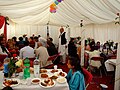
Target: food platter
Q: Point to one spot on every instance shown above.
(11, 82)
(35, 80)
(44, 85)
(60, 74)
(61, 80)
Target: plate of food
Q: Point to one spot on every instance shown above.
(44, 75)
(62, 74)
(61, 80)
(53, 77)
(35, 80)
(11, 82)
(47, 83)
(54, 70)
(43, 71)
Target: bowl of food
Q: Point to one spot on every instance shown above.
(61, 80)
(35, 80)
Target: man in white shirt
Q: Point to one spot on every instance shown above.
(62, 45)
(27, 51)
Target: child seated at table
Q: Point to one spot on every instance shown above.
(75, 76)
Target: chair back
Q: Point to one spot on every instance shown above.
(97, 58)
(88, 76)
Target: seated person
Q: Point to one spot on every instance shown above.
(75, 76)
(42, 54)
(52, 50)
(31, 42)
(3, 49)
(20, 43)
(26, 51)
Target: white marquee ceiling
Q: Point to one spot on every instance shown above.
(69, 12)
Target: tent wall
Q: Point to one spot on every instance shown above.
(100, 32)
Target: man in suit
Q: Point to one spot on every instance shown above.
(62, 45)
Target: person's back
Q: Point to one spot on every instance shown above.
(51, 48)
(72, 48)
(27, 51)
(42, 54)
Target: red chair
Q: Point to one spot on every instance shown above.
(88, 77)
(2, 57)
(54, 57)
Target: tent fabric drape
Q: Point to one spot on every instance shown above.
(68, 12)
(2, 20)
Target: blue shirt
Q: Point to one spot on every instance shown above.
(6, 68)
(76, 81)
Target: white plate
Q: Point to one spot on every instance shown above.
(35, 79)
(61, 80)
(57, 74)
(104, 86)
(47, 86)
(13, 85)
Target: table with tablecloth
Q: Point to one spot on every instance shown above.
(58, 86)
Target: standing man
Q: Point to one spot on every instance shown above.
(62, 45)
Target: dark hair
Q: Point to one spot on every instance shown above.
(7, 88)
(14, 38)
(26, 43)
(20, 38)
(74, 61)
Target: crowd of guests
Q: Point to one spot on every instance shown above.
(34, 46)
(37, 46)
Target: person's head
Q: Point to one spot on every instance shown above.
(31, 39)
(39, 44)
(36, 39)
(2, 40)
(74, 63)
(72, 39)
(7, 88)
(39, 36)
(26, 43)
(14, 38)
(20, 38)
(61, 29)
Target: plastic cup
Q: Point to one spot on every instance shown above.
(28, 81)
(55, 67)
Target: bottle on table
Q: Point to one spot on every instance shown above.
(36, 67)
(26, 63)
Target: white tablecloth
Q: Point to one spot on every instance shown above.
(110, 64)
(57, 86)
